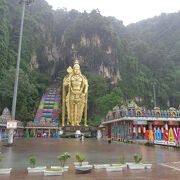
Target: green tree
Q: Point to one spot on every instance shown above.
(107, 102)
(32, 161)
(26, 96)
(4, 36)
(63, 158)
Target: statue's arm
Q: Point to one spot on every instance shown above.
(86, 88)
(66, 81)
(85, 85)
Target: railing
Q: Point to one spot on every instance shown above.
(34, 124)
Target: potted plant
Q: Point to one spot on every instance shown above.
(63, 158)
(121, 162)
(33, 169)
(32, 161)
(4, 170)
(80, 161)
(82, 168)
(137, 164)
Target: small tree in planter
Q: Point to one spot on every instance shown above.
(80, 159)
(63, 158)
(82, 168)
(137, 164)
(32, 161)
(137, 158)
(33, 169)
(4, 170)
(122, 159)
(119, 166)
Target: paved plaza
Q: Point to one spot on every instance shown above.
(173, 165)
(96, 152)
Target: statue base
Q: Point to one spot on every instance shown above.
(73, 129)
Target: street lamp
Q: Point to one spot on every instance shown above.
(153, 84)
(27, 2)
(11, 131)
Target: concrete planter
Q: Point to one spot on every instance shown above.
(113, 168)
(78, 164)
(55, 167)
(36, 169)
(122, 165)
(148, 166)
(65, 168)
(101, 166)
(136, 166)
(129, 163)
(53, 173)
(84, 166)
(5, 170)
(83, 169)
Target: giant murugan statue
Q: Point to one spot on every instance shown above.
(76, 99)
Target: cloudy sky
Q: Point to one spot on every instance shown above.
(129, 11)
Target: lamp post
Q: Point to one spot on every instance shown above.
(11, 131)
(154, 91)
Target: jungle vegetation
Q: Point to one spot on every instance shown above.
(144, 52)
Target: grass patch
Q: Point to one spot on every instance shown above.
(49, 169)
(117, 165)
(83, 168)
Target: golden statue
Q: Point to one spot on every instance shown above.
(76, 100)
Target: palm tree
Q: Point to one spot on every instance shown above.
(80, 159)
(63, 158)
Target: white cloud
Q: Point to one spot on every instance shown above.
(127, 10)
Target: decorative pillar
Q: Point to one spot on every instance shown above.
(136, 131)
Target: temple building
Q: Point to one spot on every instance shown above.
(6, 116)
(133, 122)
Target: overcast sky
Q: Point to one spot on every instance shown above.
(129, 11)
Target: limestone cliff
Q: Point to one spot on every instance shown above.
(61, 55)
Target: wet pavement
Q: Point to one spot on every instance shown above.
(96, 152)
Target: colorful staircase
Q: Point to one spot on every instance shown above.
(49, 106)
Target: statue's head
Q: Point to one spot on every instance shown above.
(76, 68)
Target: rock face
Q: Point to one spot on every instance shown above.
(108, 71)
(59, 53)
(34, 62)
(94, 41)
(64, 36)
